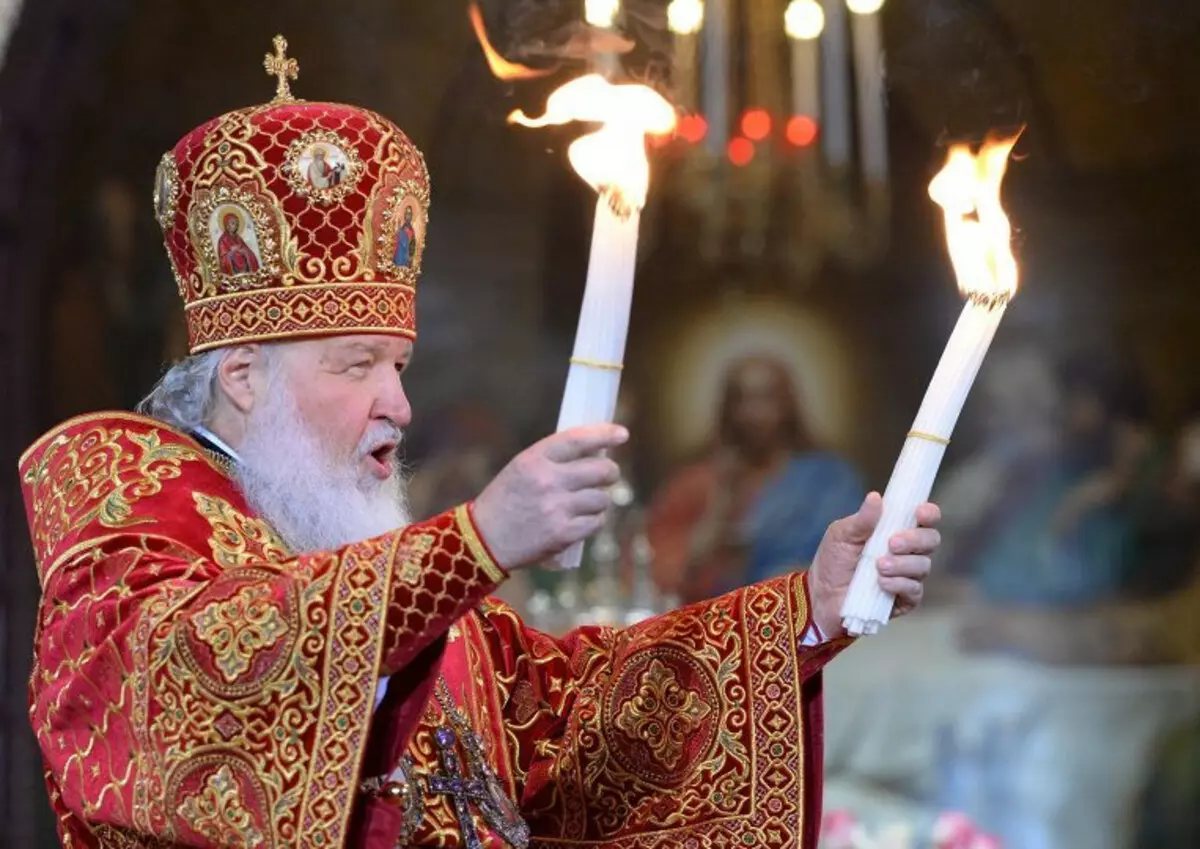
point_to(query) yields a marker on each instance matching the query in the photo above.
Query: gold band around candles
(580, 361)
(929, 437)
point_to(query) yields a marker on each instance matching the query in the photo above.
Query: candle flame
(501, 67)
(978, 233)
(612, 158)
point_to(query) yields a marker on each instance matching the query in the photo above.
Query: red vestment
(194, 684)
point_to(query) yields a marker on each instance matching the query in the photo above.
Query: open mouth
(383, 459)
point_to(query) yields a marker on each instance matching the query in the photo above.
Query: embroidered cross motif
(282, 68)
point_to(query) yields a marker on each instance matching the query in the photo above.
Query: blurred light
(741, 151)
(801, 130)
(692, 128)
(804, 19)
(756, 124)
(685, 17)
(864, 7)
(601, 13)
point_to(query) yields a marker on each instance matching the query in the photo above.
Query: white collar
(218, 441)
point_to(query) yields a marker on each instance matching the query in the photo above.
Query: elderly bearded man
(244, 641)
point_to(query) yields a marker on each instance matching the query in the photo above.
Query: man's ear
(242, 376)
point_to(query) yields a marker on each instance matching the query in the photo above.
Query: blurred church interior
(793, 295)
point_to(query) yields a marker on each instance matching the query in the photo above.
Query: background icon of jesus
(233, 252)
(406, 241)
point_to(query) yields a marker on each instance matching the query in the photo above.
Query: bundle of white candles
(612, 159)
(979, 237)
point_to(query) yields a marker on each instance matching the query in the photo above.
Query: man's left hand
(902, 571)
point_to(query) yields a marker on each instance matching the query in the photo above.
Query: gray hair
(186, 395)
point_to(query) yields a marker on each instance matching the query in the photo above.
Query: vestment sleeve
(704, 722)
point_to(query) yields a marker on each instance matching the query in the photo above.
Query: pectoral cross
(282, 68)
(461, 789)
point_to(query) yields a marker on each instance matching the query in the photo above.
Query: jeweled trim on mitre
(288, 311)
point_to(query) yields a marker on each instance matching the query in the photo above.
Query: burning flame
(978, 234)
(501, 67)
(613, 157)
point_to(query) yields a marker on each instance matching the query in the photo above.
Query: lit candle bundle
(612, 159)
(978, 236)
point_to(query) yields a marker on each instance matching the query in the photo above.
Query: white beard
(316, 502)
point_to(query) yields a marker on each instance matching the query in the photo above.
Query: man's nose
(392, 404)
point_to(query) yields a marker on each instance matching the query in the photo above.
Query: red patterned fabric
(292, 219)
(699, 728)
(195, 684)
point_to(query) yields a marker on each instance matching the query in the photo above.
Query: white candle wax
(872, 98)
(594, 379)
(835, 83)
(867, 607)
(806, 78)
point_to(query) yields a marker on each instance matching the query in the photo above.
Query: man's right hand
(551, 496)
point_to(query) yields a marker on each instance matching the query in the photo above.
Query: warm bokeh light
(978, 234)
(801, 131)
(741, 151)
(756, 124)
(804, 19)
(692, 128)
(601, 13)
(685, 17)
(864, 7)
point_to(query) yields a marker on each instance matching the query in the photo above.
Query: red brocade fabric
(197, 685)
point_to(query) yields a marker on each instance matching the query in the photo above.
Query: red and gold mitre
(294, 219)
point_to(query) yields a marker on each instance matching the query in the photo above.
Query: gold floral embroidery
(662, 714)
(217, 812)
(96, 474)
(237, 628)
(238, 540)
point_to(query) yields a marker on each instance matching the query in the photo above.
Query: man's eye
(360, 367)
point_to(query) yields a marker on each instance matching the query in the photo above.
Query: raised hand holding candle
(979, 237)
(612, 159)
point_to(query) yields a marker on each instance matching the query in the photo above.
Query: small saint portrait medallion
(402, 243)
(234, 241)
(166, 190)
(410, 233)
(322, 167)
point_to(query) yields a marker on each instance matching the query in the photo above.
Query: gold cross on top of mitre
(282, 68)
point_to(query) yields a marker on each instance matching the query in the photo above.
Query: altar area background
(1050, 686)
